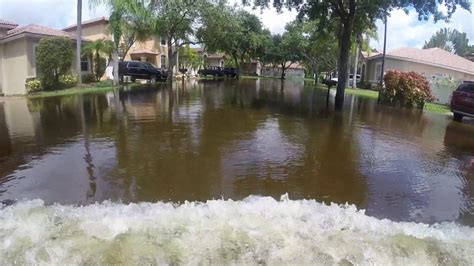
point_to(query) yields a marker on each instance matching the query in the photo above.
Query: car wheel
(457, 117)
(133, 79)
(154, 79)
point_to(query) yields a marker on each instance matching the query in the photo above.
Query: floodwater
(250, 171)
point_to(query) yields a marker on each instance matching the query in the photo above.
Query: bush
(104, 83)
(68, 80)
(33, 86)
(88, 78)
(408, 89)
(53, 58)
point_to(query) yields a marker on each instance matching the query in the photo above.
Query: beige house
(17, 54)
(443, 69)
(154, 50)
(295, 70)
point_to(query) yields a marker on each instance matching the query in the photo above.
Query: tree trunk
(170, 59)
(237, 64)
(343, 68)
(115, 67)
(283, 71)
(78, 41)
(356, 61)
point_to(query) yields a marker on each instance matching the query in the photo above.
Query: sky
(403, 29)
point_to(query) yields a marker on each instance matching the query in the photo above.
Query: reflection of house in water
(5, 143)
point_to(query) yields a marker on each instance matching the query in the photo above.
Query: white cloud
(403, 29)
(52, 13)
(406, 30)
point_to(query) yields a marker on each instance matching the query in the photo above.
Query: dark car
(211, 71)
(231, 72)
(462, 101)
(141, 70)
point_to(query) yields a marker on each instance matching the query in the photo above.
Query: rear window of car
(133, 64)
(466, 87)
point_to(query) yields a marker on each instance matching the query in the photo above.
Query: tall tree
(353, 14)
(78, 41)
(317, 47)
(450, 40)
(284, 51)
(234, 31)
(175, 21)
(440, 40)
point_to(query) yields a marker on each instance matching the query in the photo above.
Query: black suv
(141, 70)
(219, 72)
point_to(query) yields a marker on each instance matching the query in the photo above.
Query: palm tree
(96, 49)
(362, 42)
(78, 41)
(128, 23)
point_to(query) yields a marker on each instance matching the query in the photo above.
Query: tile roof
(7, 23)
(38, 29)
(87, 22)
(432, 56)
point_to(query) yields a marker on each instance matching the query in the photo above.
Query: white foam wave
(252, 231)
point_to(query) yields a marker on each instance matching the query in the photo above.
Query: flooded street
(239, 140)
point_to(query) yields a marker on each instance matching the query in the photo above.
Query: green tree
(175, 21)
(450, 40)
(284, 51)
(54, 58)
(352, 16)
(188, 57)
(233, 31)
(440, 40)
(98, 49)
(318, 47)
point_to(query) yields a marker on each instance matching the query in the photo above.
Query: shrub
(33, 86)
(88, 78)
(408, 89)
(68, 80)
(53, 58)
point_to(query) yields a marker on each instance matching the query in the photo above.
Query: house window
(84, 64)
(378, 71)
(163, 40)
(163, 61)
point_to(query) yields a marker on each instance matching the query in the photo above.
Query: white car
(350, 79)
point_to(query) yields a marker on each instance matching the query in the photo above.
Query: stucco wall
(1, 68)
(15, 70)
(94, 32)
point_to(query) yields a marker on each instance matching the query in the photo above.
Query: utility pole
(383, 58)
(78, 41)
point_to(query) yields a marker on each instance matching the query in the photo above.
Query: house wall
(215, 62)
(276, 72)
(94, 31)
(100, 31)
(15, 67)
(1, 68)
(430, 72)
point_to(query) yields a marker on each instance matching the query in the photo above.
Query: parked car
(211, 71)
(351, 78)
(141, 70)
(231, 72)
(462, 101)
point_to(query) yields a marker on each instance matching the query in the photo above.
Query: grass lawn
(430, 107)
(71, 91)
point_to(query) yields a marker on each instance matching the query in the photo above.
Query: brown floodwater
(203, 140)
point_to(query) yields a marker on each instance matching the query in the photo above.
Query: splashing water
(256, 230)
